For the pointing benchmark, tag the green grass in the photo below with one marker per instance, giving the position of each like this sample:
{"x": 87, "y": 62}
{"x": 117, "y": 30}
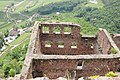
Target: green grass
{"x": 4, "y": 3}
{"x": 23, "y": 23}
{"x": 5, "y": 59}
{"x": 20, "y": 39}
{"x": 86, "y": 27}
{"x": 1, "y": 23}
{"x": 43, "y": 2}
{"x": 22, "y": 6}
{"x": 5, "y": 52}
{"x": 98, "y": 5}
{"x": 6, "y": 26}
{"x": 23, "y": 39}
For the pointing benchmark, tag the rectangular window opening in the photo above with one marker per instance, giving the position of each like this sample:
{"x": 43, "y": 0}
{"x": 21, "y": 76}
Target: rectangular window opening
{"x": 57, "y": 30}
{"x": 60, "y": 44}
{"x": 80, "y": 65}
{"x": 92, "y": 46}
{"x": 74, "y": 45}
{"x": 45, "y": 29}
{"x": 48, "y": 43}
{"x": 67, "y": 30}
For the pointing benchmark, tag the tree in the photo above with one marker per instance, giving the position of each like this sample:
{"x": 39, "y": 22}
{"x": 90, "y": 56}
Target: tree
{"x": 6, "y": 33}
{"x": 12, "y": 4}
{"x": 1, "y": 40}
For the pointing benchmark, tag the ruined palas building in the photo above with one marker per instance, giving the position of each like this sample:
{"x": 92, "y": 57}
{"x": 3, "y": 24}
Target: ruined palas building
{"x": 58, "y": 50}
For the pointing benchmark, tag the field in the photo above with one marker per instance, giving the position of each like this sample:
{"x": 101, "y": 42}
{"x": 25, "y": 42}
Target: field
{"x": 1, "y": 23}
{"x": 31, "y": 5}
{"x": 5, "y": 27}
{"x": 21, "y": 39}
{"x": 4, "y": 3}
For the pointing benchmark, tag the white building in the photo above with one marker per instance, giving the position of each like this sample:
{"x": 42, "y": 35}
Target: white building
{"x": 93, "y": 1}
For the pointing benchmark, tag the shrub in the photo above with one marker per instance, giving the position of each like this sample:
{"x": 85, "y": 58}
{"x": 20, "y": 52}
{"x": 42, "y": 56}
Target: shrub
{"x": 110, "y": 74}
{"x": 113, "y": 51}
{"x": 12, "y": 72}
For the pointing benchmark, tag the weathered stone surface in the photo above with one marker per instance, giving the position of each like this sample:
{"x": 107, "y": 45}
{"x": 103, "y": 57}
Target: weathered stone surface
{"x": 77, "y": 56}
{"x": 116, "y": 38}
{"x": 105, "y": 41}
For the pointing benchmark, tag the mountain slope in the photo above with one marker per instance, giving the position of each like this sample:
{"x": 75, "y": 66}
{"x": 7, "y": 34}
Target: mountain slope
{"x": 106, "y": 17}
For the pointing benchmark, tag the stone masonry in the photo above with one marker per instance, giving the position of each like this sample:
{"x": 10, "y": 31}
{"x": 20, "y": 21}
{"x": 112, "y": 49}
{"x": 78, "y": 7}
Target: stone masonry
{"x": 59, "y": 50}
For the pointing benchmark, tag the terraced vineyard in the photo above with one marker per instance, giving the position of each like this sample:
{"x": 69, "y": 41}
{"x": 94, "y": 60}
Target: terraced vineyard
{"x": 33, "y": 4}
{"x": 5, "y": 3}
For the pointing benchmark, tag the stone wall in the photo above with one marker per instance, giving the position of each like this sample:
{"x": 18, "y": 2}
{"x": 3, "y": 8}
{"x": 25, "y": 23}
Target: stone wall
{"x": 106, "y": 42}
{"x": 68, "y": 54}
{"x": 116, "y": 39}
{"x": 72, "y": 43}
{"x": 59, "y": 68}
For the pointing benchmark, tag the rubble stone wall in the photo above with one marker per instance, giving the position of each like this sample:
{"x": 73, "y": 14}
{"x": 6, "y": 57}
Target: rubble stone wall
{"x": 103, "y": 41}
{"x": 117, "y": 40}
{"x": 58, "y": 68}
{"x": 83, "y": 46}
{"x": 54, "y": 55}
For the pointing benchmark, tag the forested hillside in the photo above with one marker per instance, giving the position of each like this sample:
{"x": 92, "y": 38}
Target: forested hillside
{"x": 66, "y": 6}
{"x": 106, "y": 17}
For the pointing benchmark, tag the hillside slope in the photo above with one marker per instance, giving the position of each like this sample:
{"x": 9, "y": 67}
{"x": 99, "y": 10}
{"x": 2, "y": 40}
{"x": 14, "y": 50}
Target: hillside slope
{"x": 106, "y": 17}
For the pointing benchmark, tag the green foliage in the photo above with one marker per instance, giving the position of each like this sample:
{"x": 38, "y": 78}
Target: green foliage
{"x": 86, "y": 27}
{"x": 4, "y": 3}
{"x": 66, "y": 6}
{"x": 6, "y": 33}
{"x": 94, "y": 77}
{"x": 12, "y": 63}
{"x": 1, "y": 40}
{"x": 6, "y": 17}
{"x": 113, "y": 51}
{"x": 100, "y": 4}
{"x": 12, "y": 72}
{"x": 110, "y": 74}
{"x": 106, "y": 17}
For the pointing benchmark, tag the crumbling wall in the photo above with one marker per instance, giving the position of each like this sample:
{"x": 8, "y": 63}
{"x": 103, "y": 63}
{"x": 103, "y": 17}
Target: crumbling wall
{"x": 54, "y": 68}
{"x": 71, "y": 42}
{"x": 103, "y": 41}
{"x": 54, "y": 65}
{"x": 90, "y": 43}
{"x": 98, "y": 67}
{"x": 59, "y": 68}
{"x": 37, "y": 43}
{"x": 116, "y": 39}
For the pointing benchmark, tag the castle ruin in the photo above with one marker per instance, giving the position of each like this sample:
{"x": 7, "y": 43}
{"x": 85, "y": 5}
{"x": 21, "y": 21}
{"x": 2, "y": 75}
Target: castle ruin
{"x": 59, "y": 50}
